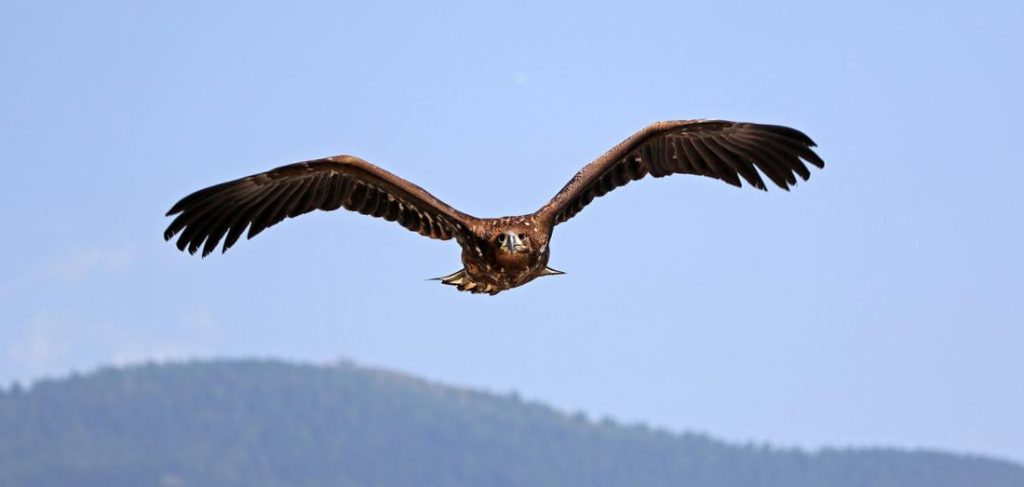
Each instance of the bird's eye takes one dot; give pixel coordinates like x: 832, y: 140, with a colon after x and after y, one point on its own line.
x: 501, y: 238
x: 522, y: 236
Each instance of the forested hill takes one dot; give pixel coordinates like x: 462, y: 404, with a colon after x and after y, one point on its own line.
x: 261, y: 423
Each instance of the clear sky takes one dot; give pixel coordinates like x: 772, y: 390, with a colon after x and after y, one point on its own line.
x: 880, y: 303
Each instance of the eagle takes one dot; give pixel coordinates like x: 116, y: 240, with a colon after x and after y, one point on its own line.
x: 497, y: 253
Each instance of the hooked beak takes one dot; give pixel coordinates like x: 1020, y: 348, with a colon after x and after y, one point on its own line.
x: 512, y: 243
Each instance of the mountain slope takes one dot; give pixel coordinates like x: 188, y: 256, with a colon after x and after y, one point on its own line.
x: 262, y: 423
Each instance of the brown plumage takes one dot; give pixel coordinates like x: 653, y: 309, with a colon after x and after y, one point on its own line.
x: 497, y: 253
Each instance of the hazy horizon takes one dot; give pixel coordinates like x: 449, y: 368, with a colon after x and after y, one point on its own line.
x: 592, y: 416
x: 271, y: 423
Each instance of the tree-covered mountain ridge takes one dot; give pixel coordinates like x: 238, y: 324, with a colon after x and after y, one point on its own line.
x: 273, y: 423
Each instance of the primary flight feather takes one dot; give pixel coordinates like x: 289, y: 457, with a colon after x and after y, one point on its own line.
x: 497, y: 253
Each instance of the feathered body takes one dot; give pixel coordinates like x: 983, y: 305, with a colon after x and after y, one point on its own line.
x: 503, y: 253
x: 497, y: 253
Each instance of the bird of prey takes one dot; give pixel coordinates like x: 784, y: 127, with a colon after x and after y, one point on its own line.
x: 497, y: 253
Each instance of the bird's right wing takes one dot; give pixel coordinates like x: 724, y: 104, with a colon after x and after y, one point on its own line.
x: 717, y: 149
x: 256, y: 202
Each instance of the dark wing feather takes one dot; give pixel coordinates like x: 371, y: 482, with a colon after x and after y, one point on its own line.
x: 259, y: 201
x: 730, y: 151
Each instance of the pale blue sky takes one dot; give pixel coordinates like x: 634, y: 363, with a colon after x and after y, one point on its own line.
x: 878, y: 304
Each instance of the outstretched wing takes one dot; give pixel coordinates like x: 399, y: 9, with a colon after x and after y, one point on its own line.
x: 714, y: 148
x: 261, y: 200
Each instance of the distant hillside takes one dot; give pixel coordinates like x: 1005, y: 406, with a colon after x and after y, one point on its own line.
x: 256, y: 423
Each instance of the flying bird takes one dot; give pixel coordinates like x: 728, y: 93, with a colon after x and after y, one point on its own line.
x: 497, y: 253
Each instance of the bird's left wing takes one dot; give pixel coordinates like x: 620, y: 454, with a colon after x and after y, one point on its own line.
x: 261, y: 200
x: 714, y: 148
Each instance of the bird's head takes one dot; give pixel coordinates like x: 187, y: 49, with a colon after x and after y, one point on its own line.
x: 513, y: 242
x: 516, y: 236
